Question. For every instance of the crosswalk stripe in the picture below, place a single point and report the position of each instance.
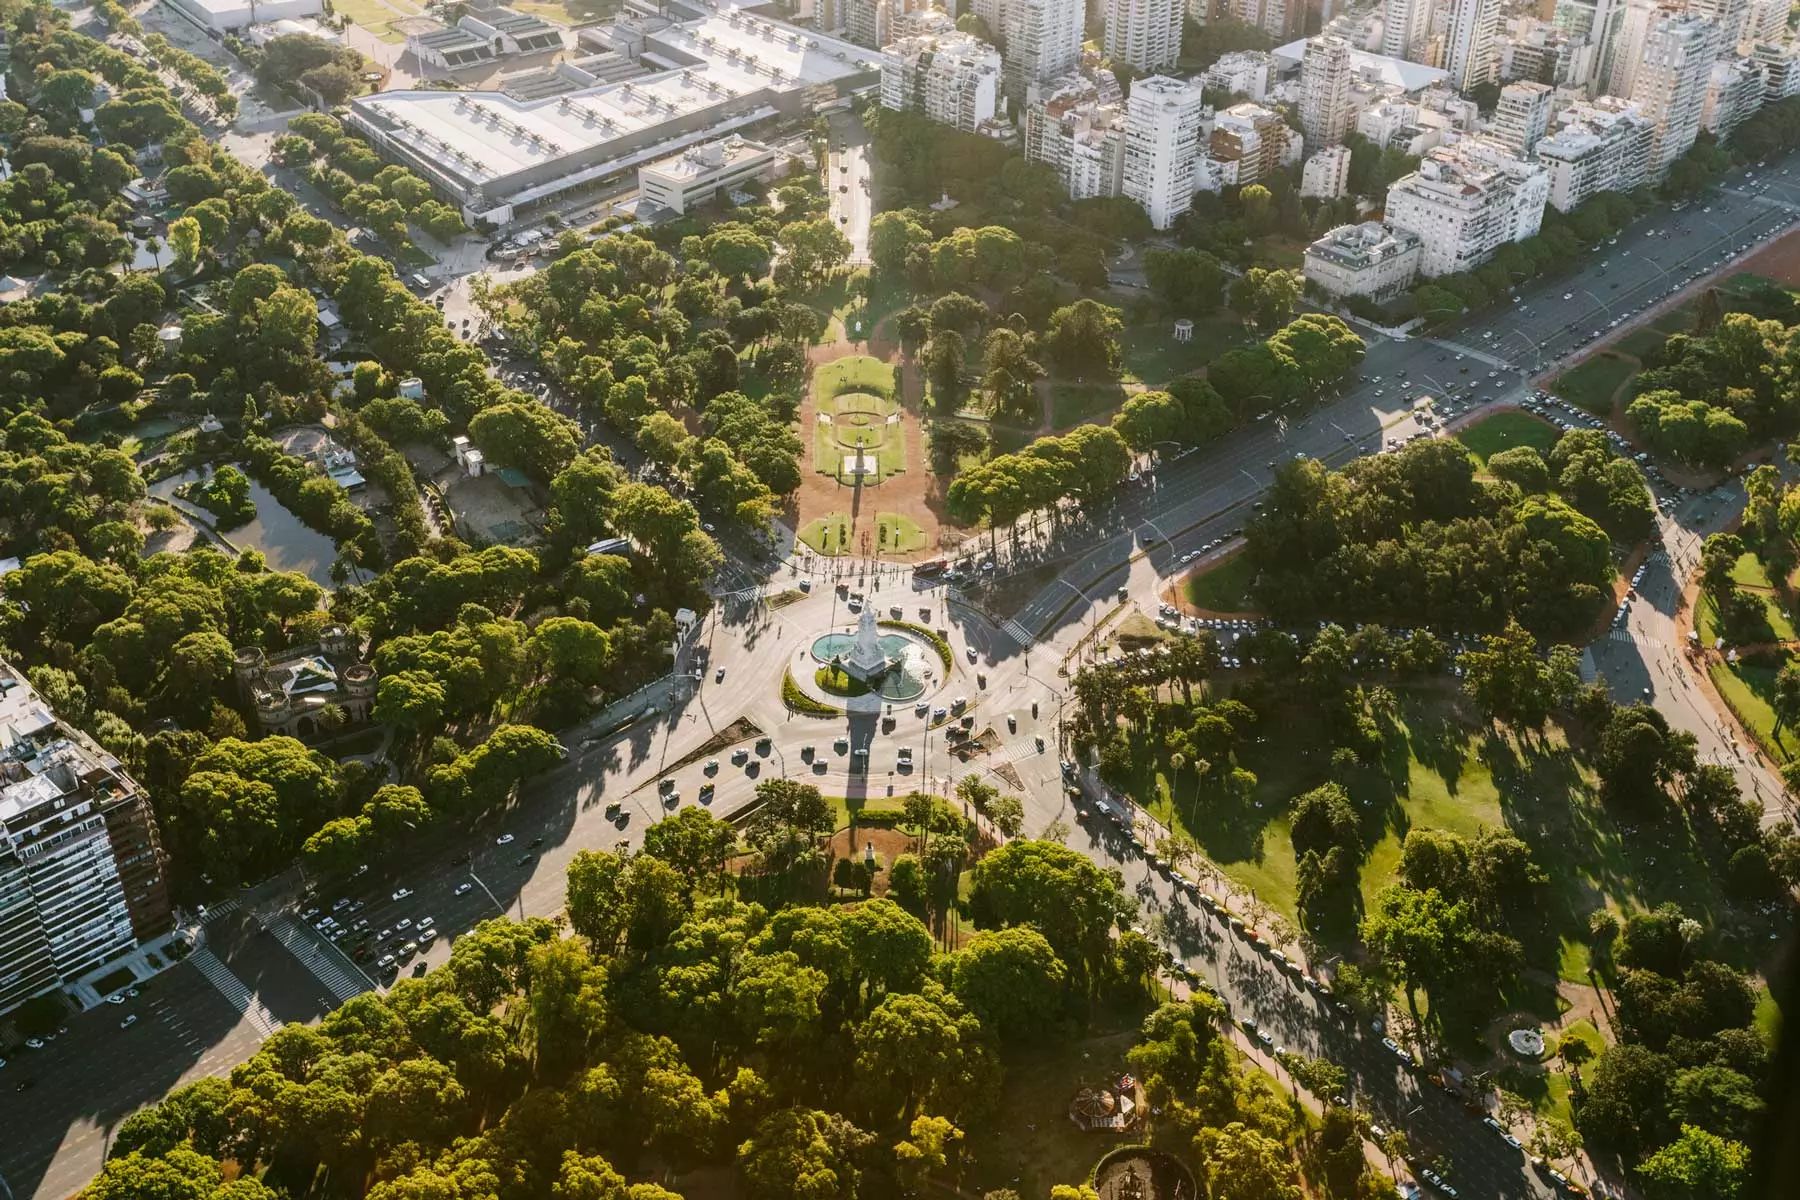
(220, 911)
(1018, 632)
(233, 989)
(332, 974)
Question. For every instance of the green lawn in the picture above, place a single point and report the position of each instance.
(1769, 624)
(897, 534)
(1592, 383)
(1224, 588)
(1072, 404)
(1151, 354)
(1642, 343)
(828, 534)
(1749, 572)
(1504, 430)
(1747, 688)
(1440, 772)
(852, 419)
(855, 373)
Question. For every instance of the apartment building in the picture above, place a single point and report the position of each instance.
(1405, 28)
(1327, 174)
(1043, 42)
(952, 78)
(1523, 115)
(1780, 63)
(1622, 48)
(1280, 19)
(82, 871)
(1603, 146)
(1539, 53)
(1164, 133)
(1242, 73)
(1143, 33)
(1734, 93)
(1074, 128)
(1465, 203)
(1249, 142)
(1471, 46)
(1369, 260)
(1325, 114)
(1670, 85)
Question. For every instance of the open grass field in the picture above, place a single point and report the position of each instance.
(1748, 688)
(1151, 354)
(1224, 588)
(1072, 404)
(1504, 430)
(376, 15)
(855, 373)
(898, 534)
(1641, 343)
(1773, 625)
(1441, 770)
(1593, 382)
(827, 535)
(858, 422)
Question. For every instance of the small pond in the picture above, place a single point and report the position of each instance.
(284, 541)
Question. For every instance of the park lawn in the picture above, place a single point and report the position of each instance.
(1748, 572)
(1593, 382)
(1642, 343)
(376, 16)
(1072, 404)
(1505, 430)
(1225, 586)
(832, 441)
(854, 373)
(821, 534)
(1031, 1145)
(1151, 354)
(896, 533)
(1775, 626)
(1747, 688)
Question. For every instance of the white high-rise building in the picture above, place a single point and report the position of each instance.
(1325, 113)
(1523, 115)
(1242, 73)
(1280, 19)
(952, 78)
(1326, 174)
(1604, 146)
(1164, 132)
(82, 872)
(1622, 50)
(1471, 54)
(1726, 15)
(1405, 28)
(1734, 93)
(1465, 205)
(1143, 33)
(1764, 21)
(1670, 85)
(1043, 42)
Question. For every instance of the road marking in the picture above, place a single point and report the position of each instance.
(342, 983)
(235, 992)
(1018, 632)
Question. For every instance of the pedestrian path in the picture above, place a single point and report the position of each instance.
(235, 992)
(222, 910)
(344, 982)
(1018, 632)
(1631, 637)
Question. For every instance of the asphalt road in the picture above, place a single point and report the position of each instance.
(60, 1105)
(848, 182)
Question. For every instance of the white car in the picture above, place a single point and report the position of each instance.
(505, 839)
(400, 893)
(461, 888)
(128, 1022)
(118, 999)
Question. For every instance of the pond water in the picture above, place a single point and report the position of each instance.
(905, 680)
(284, 541)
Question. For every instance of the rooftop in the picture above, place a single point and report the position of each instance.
(702, 160)
(1407, 76)
(481, 136)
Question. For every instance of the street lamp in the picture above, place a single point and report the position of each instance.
(490, 895)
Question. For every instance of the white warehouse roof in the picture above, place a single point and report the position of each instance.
(1398, 72)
